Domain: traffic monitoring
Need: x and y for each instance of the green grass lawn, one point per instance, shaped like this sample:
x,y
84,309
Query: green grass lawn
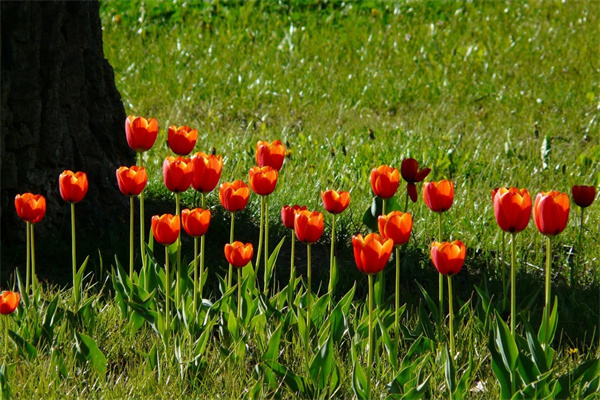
x,y
487,94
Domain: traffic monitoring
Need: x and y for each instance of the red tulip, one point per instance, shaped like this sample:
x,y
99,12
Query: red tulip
x,y
141,133
289,213
372,252
30,207
239,254
165,228
263,180
308,226
9,301
234,195
177,173
270,154
335,202
132,181
196,221
182,139
385,181
396,226
207,171
73,186
551,212
438,195
583,196
411,174
512,208
448,258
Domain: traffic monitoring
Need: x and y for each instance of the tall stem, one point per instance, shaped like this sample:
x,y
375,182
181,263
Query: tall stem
x,y
266,285
440,278
332,272
178,271
292,272
383,201
196,274
397,300
6,337
260,234
309,288
142,233
239,285
502,271
28,256
232,227
578,251
371,346
76,293
380,279
451,323
513,283
33,275
167,289
202,249
131,216
548,267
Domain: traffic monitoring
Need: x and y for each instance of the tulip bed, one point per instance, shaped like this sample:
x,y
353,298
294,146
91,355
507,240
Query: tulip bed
x,y
388,277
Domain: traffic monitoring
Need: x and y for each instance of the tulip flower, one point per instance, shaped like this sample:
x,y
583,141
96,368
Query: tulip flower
x,y
512,208
371,254
73,188
207,172
239,255
263,180
195,223
583,196
448,259
288,214
270,154
398,227
412,174
141,133
384,182
335,203
9,301
31,208
182,139
438,196
550,214
234,197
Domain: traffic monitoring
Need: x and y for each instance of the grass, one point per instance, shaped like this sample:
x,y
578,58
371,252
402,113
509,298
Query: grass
x,y
485,93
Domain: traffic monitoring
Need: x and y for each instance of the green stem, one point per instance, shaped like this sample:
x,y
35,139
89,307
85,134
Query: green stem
x,y
578,251
260,235
131,216
513,283
309,288
266,285
202,249
6,337
383,203
167,290
33,275
332,272
28,257
239,285
440,278
397,300
142,233
451,322
196,274
548,266
178,272
371,345
292,272
76,293
502,271
232,227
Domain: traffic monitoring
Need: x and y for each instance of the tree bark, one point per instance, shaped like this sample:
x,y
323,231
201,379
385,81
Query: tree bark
x,y
60,110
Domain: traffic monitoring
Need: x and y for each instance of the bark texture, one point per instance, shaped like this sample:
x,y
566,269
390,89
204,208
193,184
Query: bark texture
x,y
60,110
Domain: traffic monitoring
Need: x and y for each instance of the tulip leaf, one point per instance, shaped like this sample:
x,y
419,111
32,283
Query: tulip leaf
x,y
502,373
390,346
548,327
449,371
273,259
25,348
88,351
359,381
433,306
323,369
506,345
272,352
294,382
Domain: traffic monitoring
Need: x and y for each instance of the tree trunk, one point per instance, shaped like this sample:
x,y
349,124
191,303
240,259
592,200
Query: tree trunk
x,y
60,110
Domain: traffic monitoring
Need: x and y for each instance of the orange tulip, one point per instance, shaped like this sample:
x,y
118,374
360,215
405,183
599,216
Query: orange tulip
x,y
288,213
448,258
182,139
9,301
207,171
73,186
132,181
196,221
239,254
438,195
141,133
335,202
551,212
30,207
263,180
177,173
385,181
411,174
270,154
583,196
234,195
512,208
308,226
372,252
396,226
165,228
